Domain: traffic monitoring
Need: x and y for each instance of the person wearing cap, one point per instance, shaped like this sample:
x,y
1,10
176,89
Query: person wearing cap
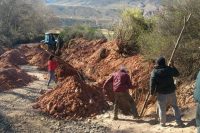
x,y
162,84
121,84
197,99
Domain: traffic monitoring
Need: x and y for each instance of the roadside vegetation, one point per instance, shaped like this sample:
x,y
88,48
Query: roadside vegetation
x,y
156,36
132,25
22,21
81,31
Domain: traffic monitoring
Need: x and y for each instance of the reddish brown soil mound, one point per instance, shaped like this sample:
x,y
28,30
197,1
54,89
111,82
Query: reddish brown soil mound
x,y
85,54
14,57
185,94
7,65
36,55
13,78
73,99
64,69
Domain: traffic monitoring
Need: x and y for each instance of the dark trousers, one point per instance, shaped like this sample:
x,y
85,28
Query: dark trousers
x,y
126,96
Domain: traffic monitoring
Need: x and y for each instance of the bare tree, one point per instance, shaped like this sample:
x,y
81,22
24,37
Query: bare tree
x,y
22,20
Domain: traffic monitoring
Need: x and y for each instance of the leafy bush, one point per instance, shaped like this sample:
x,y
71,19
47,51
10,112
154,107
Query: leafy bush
x,y
132,25
168,25
81,32
22,21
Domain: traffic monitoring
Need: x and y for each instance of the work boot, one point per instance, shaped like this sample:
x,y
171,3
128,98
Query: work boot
x,y
136,117
180,124
115,118
162,124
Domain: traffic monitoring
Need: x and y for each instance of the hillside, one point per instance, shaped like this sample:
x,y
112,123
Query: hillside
x,y
98,10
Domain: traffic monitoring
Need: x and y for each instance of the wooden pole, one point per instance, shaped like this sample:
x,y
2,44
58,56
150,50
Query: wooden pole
x,y
172,55
179,37
145,102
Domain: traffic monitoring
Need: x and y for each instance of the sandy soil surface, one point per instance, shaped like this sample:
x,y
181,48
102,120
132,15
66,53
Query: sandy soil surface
x,y
126,124
17,115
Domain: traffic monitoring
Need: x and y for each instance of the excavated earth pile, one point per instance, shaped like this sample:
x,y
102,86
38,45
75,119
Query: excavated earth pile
x,y
73,99
79,50
185,94
64,70
86,56
11,76
36,56
14,57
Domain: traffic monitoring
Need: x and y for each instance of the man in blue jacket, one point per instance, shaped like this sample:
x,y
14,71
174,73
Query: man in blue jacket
x,y
162,84
197,98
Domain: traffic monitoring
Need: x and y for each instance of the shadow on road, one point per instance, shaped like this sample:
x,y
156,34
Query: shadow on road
x,y
5,124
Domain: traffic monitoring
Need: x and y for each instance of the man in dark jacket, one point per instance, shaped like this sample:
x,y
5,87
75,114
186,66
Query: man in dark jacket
x,y
162,84
121,84
197,98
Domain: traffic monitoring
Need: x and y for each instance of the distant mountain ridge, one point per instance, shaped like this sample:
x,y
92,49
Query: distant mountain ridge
x,y
100,3
97,10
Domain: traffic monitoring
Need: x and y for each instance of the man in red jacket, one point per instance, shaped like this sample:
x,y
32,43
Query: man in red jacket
x,y
121,84
52,65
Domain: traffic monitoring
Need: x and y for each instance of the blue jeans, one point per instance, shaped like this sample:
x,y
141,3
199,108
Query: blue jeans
x,y
168,99
51,77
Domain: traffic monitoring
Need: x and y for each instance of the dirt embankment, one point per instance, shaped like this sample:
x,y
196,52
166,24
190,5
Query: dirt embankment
x,y
11,76
73,99
14,57
35,56
86,56
83,60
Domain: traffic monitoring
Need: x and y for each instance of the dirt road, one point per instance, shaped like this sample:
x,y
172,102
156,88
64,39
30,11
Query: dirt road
x,y
126,124
17,115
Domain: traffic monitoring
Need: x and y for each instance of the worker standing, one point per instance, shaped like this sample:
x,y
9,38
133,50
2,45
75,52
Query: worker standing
x,y
121,84
59,45
162,84
197,98
52,65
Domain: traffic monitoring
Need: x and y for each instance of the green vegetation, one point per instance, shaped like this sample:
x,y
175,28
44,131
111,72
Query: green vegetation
x,y
162,39
81,32
156,36
22,21
132,26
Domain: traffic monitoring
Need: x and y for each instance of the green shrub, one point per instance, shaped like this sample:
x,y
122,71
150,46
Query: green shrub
x,y
81,32
161,40
22,21
132,26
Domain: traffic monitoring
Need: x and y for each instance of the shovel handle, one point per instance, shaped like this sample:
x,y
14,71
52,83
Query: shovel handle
x,y
145,102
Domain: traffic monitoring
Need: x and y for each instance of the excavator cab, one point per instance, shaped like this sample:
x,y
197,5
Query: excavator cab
x,y
50,40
